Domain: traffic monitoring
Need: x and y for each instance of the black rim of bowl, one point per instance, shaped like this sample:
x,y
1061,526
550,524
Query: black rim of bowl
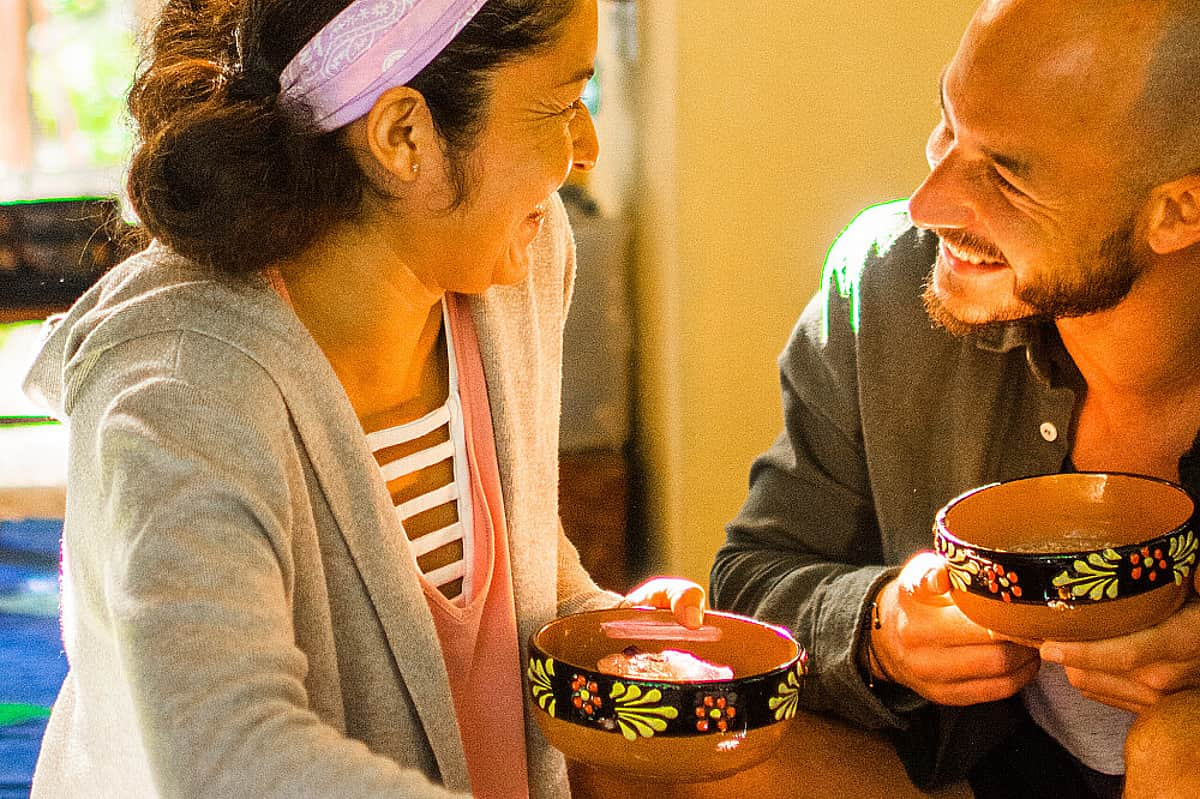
x,y
638,709
1067,578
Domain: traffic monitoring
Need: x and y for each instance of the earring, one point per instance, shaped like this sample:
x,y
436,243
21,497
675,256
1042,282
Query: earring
x,y
416,168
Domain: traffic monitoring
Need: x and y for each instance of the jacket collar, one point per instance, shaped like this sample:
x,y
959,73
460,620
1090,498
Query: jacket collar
x,y
1046,357
364,512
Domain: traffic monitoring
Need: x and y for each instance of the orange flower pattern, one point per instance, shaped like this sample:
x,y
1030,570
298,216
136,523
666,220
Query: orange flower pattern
x,y
715,711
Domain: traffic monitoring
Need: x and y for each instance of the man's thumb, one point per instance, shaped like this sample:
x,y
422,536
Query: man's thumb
x,y
925,579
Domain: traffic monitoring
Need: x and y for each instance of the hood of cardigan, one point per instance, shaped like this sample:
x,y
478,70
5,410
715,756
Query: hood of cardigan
x,y
141,296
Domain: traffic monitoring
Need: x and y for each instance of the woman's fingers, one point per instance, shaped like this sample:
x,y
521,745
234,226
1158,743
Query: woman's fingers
x,y
684,598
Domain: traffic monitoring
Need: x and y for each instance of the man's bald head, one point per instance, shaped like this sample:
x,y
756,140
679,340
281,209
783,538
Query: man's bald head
x,y
1056,161
1126,72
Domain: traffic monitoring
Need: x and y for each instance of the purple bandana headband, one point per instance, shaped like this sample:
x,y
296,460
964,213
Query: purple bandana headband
x,y
371,46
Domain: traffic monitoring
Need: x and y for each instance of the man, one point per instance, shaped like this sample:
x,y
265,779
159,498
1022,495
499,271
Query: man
x,y
1055,245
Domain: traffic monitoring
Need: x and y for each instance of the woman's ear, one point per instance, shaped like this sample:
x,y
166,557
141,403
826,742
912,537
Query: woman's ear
x,y
400,132
1174,221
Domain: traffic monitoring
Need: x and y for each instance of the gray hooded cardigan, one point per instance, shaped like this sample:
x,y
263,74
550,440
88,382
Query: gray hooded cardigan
x,y
241,614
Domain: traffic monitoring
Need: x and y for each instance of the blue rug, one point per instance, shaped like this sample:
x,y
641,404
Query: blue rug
x,y
32,663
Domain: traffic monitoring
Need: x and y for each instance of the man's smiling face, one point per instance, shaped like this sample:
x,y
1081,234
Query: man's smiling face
x,y
1030,190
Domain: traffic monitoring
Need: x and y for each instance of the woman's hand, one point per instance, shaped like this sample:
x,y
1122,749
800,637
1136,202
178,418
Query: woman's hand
x,y
683,597
1136,670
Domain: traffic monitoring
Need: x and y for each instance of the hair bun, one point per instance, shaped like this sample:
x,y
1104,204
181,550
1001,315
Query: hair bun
x,y
253,81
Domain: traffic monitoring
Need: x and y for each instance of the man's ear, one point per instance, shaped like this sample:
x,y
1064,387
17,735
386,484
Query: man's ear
x,y
400,133
1174,218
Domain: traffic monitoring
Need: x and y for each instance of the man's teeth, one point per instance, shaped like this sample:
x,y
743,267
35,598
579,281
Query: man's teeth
x,y
969,257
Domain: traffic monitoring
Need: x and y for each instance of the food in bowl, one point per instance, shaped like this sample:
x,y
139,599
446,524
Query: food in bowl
x,y
1071,541
670,665
676,730
1069,557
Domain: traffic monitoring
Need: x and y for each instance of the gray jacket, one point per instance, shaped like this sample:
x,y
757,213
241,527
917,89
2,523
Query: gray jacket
x,y
241,613
886,418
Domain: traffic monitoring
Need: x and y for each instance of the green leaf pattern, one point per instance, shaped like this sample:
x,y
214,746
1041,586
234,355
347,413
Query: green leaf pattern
x,y
788,698
638,713
961,565
539,673
1183,553
1094,577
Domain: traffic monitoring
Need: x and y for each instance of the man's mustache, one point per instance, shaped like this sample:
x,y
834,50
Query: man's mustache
x,y
969,243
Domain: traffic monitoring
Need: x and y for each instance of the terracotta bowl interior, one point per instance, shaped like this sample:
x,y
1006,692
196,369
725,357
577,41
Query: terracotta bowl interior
x,y
747,646
1067,513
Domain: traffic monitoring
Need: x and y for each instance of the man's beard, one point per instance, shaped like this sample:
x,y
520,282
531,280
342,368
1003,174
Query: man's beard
x,y
1099,289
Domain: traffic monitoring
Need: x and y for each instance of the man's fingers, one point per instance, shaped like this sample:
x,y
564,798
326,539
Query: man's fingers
x,y
1112,690
941,629
1031,643
683,597
925,580
1173,639
977,690
937,581
1119,704
974,662
1114,654
974,692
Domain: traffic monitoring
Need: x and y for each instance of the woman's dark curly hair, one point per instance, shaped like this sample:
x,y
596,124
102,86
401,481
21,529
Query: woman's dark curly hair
x,y
226,176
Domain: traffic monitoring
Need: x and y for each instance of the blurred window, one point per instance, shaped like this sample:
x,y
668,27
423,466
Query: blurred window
x,y
65,70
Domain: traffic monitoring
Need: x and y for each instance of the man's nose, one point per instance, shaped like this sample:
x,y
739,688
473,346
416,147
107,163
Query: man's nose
x,y
943,199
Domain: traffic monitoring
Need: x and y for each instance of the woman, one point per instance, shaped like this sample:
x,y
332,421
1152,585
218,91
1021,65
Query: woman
x,y
312,516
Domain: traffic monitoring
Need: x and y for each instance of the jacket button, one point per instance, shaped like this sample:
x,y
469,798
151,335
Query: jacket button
x,y
1049,431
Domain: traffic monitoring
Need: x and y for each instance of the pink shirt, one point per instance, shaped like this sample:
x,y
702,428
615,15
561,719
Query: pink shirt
x,y
479,641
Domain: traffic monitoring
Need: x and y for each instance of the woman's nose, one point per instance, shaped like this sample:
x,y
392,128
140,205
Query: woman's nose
x,y
586,147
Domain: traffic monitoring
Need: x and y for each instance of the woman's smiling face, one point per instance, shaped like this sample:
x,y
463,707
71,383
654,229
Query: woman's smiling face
x,y
535,131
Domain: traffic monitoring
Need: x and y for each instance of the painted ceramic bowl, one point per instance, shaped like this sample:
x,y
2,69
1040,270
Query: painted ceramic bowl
x,y
1069,557
664,729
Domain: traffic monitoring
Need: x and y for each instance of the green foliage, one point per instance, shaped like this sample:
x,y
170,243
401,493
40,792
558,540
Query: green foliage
x,y
82,62
74,8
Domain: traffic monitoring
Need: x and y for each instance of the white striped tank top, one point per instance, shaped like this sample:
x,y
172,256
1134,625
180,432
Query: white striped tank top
x,y
424,464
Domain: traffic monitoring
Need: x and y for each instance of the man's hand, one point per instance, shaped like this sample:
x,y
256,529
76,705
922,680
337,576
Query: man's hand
x,y
1160,752
927,644
1134,671
683,597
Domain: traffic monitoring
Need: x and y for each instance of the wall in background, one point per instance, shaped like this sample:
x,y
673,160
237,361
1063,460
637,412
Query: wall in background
x,y
764,127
